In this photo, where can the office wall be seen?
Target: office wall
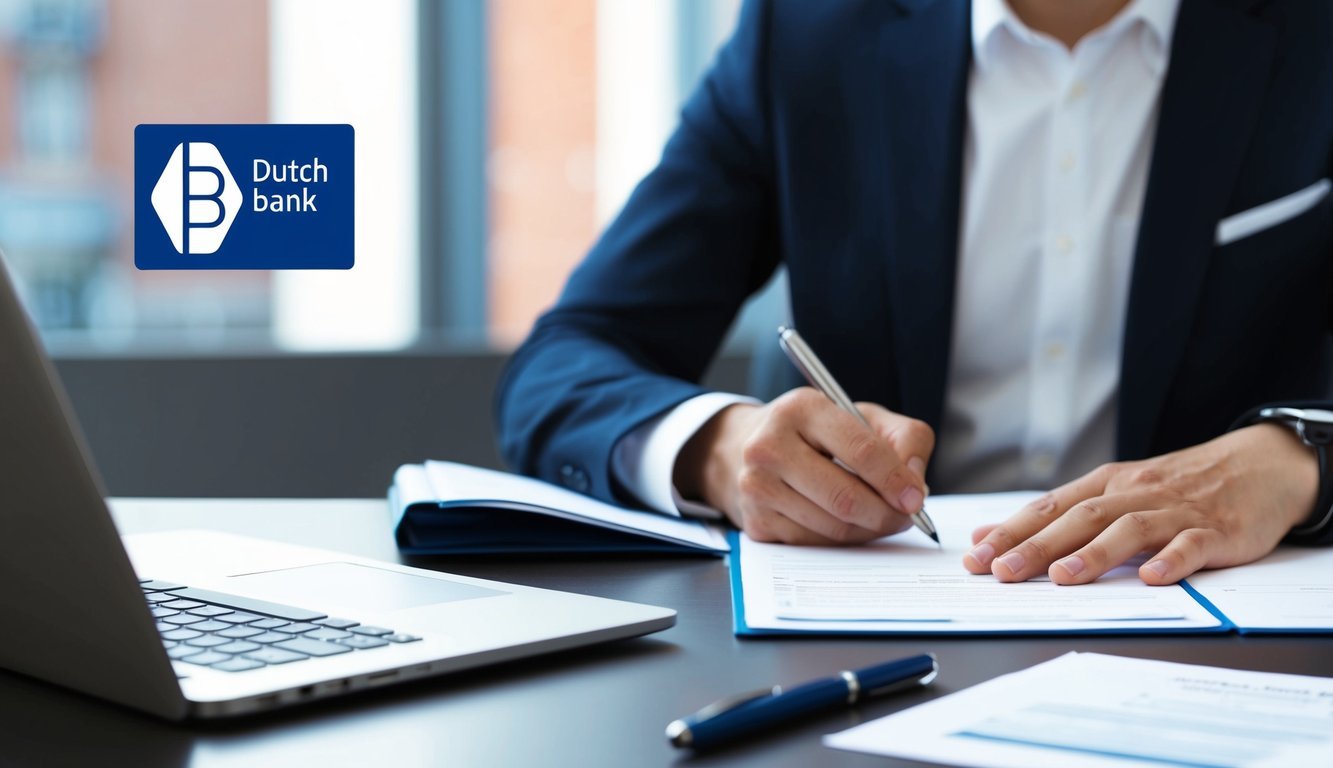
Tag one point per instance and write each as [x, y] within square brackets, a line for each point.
[280, 425]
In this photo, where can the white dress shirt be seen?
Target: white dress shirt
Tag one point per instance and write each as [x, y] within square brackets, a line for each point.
[1054, 169]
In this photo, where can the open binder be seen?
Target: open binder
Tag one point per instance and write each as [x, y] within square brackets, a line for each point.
[444, 508]
[906, 585]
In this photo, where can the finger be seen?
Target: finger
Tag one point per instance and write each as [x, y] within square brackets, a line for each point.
[912, 439]
[981, 531]
[1078, 526]
[764, 490]
[837, 433]
[839, 493]
[1130, 534]
[1038, 514]
[768, 525]
[1187, 552]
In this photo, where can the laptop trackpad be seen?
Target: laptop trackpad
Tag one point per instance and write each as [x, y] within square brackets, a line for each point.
[352, 589]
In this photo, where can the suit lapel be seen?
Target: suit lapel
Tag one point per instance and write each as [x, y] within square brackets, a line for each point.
[922, 62]
[1211, 98]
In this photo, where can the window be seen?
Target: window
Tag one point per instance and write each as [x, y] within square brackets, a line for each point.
[584, 94]
[494, 139]
[81, 74]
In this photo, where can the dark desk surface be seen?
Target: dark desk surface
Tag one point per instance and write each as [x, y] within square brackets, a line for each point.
[605, 705]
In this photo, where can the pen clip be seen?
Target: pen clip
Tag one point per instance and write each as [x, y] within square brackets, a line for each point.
[904, 684]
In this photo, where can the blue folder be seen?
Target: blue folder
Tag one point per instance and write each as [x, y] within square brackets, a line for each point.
[741, 629]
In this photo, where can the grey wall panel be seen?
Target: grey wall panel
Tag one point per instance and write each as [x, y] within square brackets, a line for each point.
[275, 425]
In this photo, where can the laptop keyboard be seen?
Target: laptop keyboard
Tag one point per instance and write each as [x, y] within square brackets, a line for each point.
[238, 634]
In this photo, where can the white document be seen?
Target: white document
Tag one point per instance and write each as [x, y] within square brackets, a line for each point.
[905, 583]
[1291, 589]
[444, 481]
[1101, 711]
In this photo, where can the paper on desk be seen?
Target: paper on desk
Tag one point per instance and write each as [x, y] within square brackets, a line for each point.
[444, 481]
[1291, 589]
[1102, 711]
[905, 583]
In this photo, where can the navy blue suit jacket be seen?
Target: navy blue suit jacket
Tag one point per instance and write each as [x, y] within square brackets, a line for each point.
[828, 137]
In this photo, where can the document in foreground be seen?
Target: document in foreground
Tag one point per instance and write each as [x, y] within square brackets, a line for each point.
[1101, 711]
[905, 584]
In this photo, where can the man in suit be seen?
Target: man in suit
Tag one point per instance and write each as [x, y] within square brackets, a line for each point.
[1084, 244]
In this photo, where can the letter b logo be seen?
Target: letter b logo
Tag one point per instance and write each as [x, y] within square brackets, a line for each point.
[196, 198]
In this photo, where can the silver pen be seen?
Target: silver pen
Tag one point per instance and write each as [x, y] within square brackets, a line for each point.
[814, 372]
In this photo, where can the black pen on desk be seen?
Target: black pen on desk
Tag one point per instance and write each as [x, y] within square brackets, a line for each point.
[805, 360]
[739, 716]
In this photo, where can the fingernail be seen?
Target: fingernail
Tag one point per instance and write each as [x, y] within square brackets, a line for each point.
[982, 553]
[1073, 565]
[917, 465]
[911, 500]
[1157, 568]
[1013, 562]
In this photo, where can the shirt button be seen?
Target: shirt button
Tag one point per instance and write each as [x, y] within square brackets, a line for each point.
[1067, 162]
[1077, 89]
[1064, 244]
[1055, 350]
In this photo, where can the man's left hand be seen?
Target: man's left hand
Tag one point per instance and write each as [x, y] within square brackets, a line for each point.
[1225, 502]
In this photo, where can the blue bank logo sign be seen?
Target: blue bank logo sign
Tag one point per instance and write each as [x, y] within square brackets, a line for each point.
[291, 208]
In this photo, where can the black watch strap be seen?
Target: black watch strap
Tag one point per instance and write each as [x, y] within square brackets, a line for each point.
[1318, 527]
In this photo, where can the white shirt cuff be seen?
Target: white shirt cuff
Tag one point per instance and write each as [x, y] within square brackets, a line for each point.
[644, 460]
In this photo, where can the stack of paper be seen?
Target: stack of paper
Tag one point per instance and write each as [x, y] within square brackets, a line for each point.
[1100, 711]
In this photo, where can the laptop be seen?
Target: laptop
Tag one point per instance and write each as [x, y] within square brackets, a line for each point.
[204, 624]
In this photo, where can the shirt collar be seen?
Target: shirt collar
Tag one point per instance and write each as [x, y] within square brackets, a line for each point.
[1159, 16]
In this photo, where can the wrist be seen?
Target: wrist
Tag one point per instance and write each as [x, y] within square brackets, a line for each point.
[1312, 424]
[1304, 461]
[706, 467]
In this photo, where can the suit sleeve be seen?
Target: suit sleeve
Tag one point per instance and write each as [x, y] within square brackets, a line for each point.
[1322, 534]
[1320, 531]
[641, 318]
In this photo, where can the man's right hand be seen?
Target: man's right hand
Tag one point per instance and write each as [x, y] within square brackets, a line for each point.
[771, 469]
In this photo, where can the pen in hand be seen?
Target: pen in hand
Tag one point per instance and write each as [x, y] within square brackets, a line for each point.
[803, 357]
[739, 716]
